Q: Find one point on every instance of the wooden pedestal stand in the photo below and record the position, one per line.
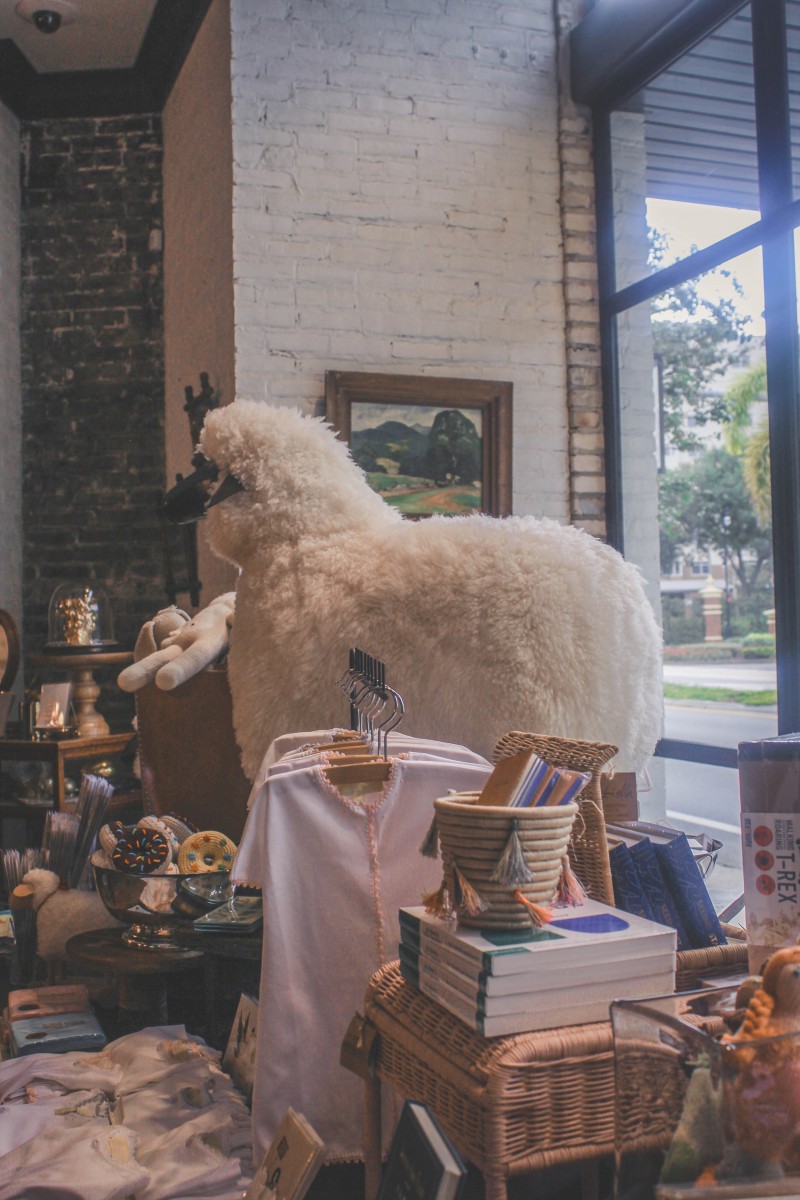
(85, 691)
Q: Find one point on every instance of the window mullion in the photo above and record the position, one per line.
(782, 345)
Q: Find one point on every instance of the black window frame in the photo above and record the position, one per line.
(605, 81)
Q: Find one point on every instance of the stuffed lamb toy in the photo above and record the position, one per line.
(485, 624)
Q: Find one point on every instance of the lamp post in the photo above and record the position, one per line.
(726, 612)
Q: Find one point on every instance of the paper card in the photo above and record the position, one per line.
(357, 1053)
(239, 1059)
(290, 1164)
(620, 798)
(771, 862)
(6, 704)
(54, 705)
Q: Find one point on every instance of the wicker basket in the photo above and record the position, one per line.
(473, 838)
(712, 960)
(588, 851)
(511, 1104)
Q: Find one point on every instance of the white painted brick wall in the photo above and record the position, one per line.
(10, 388)
(396, 207)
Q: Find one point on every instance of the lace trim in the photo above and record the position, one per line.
(318, 772)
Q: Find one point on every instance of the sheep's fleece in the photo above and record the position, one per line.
(485, 624)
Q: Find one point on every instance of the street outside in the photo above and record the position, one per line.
(707, 798)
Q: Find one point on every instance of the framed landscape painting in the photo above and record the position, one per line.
(427, 445)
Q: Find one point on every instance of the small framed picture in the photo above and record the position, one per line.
(54, 705)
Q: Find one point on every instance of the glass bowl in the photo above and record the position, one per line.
(152, 905)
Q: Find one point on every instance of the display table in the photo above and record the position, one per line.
(141, 974)
(511, 1105)
(57, 753)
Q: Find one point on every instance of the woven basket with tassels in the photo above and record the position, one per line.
(588, 851)
(492, 856)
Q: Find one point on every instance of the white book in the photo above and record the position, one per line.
(582, 1012)
(541, 976)
(517, 989)
(590, 934)
(656, 983)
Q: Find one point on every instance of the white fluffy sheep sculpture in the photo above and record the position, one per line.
(485, 624)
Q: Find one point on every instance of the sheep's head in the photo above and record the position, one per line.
(279, 476)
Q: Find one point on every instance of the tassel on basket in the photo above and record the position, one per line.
(538, 915)
(512, 869)
(569, 891)
(437, 904)
(429, 846)
(466, 897)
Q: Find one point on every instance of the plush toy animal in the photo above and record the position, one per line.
(765, 1108)
(61, 913)
(485, 624)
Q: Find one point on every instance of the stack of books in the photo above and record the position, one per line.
(55, 1020)
(516, 981)
(656, 876)
(526, 781)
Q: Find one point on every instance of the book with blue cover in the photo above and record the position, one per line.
(696, 917)
(56, 1034)
(690, 893)
(629, 894)
(655, 886)
(423, 1163)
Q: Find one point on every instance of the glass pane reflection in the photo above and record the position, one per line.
(689, 138)
(706, 799)
(697, 508)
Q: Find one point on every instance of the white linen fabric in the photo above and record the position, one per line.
(21, 1122)
(184, 1131)
(248, 867)
(88, 1163)
(69, 1072)
(334, 869)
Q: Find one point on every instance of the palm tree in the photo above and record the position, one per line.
(756, 472)
(751, 446)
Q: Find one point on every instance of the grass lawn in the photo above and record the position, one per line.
(680, 691)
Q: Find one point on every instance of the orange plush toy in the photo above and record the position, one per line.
(765, 1092)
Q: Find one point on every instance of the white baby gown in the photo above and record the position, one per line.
(334, 869)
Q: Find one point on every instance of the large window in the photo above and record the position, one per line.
(696, 230)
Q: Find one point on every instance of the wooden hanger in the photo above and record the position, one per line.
(367, 770)
(348, 747)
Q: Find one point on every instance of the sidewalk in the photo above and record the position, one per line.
(743, 676)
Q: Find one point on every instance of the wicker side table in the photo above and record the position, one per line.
(510, 1104)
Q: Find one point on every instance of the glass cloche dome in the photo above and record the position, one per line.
(79, 620)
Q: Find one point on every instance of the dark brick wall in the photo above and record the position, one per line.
(92, 370)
